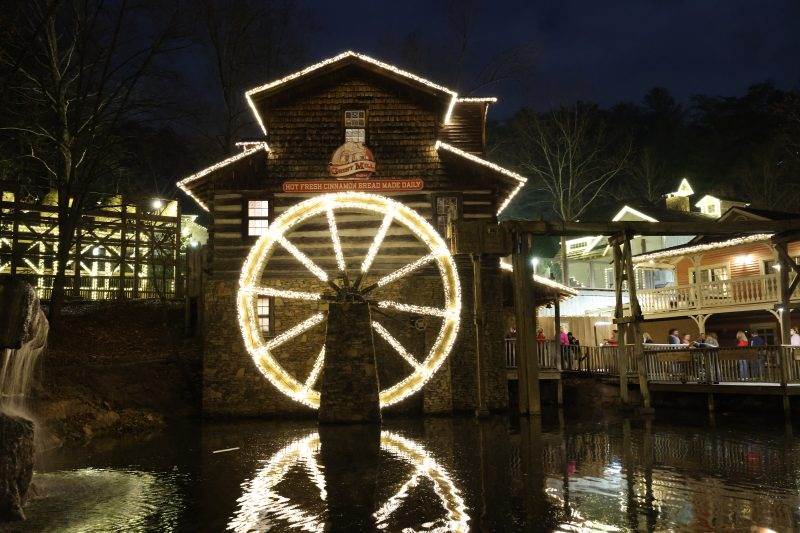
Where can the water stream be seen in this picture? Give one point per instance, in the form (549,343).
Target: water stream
(501,474)
(16,372)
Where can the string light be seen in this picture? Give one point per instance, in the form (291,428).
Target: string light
(337,244)
(261,504)
(335,59)
(487,99)
(376,242)
(311,380)
(702,247)
(417,309)
(497,168)
(394,343)
(225,162)
(406,270)
(303,258)
(505,265)
(256,263)
(282,293)
(294,331)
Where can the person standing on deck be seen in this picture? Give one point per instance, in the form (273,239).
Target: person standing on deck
(563,342)
(673,337)
(794,337)
(757,340)
(742,342)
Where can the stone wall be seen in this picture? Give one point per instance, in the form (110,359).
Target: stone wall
(233,386)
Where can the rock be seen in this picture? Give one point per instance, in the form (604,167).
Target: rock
(16,465)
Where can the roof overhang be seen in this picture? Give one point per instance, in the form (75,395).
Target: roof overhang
(259,94)
(517,181)
(189,183)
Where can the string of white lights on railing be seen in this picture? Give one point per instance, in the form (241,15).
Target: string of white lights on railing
(488,164)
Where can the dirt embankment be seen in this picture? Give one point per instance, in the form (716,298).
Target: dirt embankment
(116,367)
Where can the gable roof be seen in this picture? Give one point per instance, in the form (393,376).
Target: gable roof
(257,95)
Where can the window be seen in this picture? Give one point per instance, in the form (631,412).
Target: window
(709,274)
(264,314)
(653,278)
(446,206)
(257,217)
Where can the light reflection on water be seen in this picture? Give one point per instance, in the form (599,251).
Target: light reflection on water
(431,475)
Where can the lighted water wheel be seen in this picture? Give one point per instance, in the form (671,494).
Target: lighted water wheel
(351,282)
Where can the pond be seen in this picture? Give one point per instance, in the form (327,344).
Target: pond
(435,474)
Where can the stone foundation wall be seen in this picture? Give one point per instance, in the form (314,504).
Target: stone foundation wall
(233,385)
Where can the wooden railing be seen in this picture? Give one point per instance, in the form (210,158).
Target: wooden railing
(673,363)
(722,293)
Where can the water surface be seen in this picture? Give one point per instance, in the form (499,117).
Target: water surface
(429,475)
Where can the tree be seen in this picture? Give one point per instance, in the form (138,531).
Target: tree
(568,155)
(247,42)
(80,71)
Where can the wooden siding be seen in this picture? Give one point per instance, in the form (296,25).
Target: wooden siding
(466,127)
(757,253)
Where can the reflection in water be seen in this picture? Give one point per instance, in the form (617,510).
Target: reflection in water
(433,474)
(262,507)
(102,500)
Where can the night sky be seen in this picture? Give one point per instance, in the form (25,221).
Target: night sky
(602,51)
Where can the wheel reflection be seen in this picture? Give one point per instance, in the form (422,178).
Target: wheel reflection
(261,506)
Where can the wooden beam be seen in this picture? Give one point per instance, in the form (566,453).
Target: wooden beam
(478,323)
(622,363)
(527,357)
(633,327)
(699,227)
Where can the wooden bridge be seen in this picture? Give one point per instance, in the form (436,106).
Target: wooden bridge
(765,370)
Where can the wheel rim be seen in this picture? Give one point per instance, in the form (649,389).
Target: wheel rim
(262,350)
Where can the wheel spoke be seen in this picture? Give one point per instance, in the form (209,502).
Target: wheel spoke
(337,244)
(281,293)
(406,270)
(376,242)
(394,502)
(294,331)
(303,258)
(315,370)
(416,309)
(394,343)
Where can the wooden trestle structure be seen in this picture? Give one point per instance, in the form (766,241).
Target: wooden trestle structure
(123,248)
(628,318)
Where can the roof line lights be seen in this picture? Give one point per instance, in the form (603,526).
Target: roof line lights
(255,147)
(311,68)
(497,168)
(487,99)
(632,211)
(702,247)
(505,265)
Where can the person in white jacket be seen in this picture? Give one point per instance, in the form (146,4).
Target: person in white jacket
(794,337)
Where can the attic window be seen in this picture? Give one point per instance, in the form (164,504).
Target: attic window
(257,217)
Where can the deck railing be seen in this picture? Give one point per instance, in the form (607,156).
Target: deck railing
(673,363)
(721,293)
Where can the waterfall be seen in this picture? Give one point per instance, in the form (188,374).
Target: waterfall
(19,364)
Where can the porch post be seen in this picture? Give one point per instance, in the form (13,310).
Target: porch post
(622,361)
(557,323)
(633,326)
(525,308)
(478,323)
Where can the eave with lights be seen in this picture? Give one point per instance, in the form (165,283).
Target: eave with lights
(352,193)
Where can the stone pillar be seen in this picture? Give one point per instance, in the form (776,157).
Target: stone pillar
(351,464)
(349,385)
